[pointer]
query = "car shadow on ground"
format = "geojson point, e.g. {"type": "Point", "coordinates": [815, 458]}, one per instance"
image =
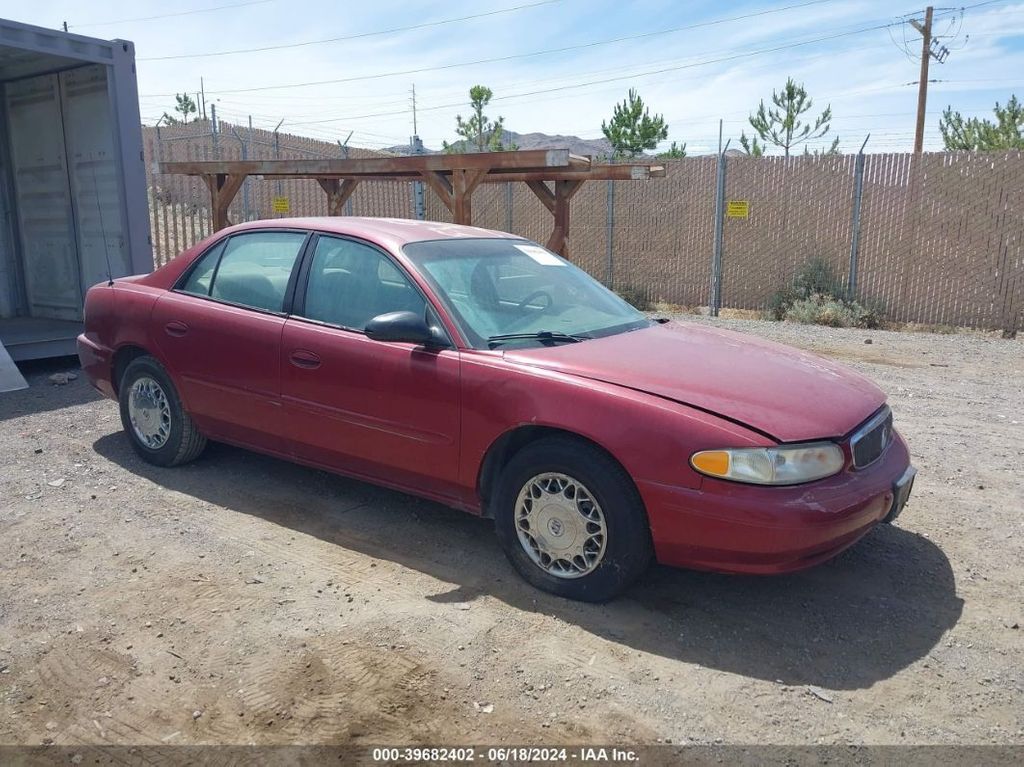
{"type": "Point", "coordinates": [847, 624]}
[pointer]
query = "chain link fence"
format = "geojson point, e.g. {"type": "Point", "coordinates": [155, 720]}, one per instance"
{"type": "Point", "coordinates": [935, 238]}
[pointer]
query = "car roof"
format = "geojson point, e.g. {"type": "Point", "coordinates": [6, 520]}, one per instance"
{"type": "Point", "coordinates": [393, 232]}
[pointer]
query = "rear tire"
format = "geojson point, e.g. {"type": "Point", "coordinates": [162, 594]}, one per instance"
{"type": "Point", "coordinates": [158, 427]}
{"type": "Point", "coordinates": [571, 520]}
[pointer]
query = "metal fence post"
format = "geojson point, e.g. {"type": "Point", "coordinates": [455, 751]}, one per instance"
{"type": "Point", "coordinates": [858, 193]}
{"type": "Point", "coordinates": [344, 154]}
{"type": "Point", "coordinates": [716, 258]}
{"type": "Point", "coordinates": [609, 275]}
{"type": "Point", "coordinates": [509, 202]}
{"type": "Point", "coordinates": [277, 156]}
{"type": "Point", "coordinates": [245, 184]}
{"type": "Point", "coordinates": [215, 131]}
{"type": "Point", "coordinates": [418, 202]}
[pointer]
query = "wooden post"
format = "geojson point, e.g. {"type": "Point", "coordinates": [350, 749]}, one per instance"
{"type": "Point", "coordinates": [338, 193]}
{"type": "Point", "coordinates": [463, 183]}
{"type": "Point", "coordinates": [223, 188]}
{"type": "Point", "coordinates": [558, 203]}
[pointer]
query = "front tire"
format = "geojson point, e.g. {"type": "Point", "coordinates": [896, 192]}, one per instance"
{"type": "Point", "coordinates": [571, 521]}
{"type": "Point", "coordinates": [158, 427]}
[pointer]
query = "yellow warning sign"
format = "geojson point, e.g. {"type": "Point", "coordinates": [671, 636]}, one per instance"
{"type": "Point", "coordinates": [281, 205]}
{"type": "Point", "coordinates": [737, 209]}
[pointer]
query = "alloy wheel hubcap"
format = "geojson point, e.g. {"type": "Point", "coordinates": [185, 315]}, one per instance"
{"type": "Point", "coordinates": [560, 525]}
{"type": "Point", "coordinates": [149, 413]}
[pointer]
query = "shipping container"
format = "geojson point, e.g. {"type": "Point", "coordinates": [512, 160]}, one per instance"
{"type": "Point", "coordinates": [73, 206]}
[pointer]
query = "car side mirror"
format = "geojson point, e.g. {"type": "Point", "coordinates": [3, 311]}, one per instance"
{"type": "Point", "coordinates": [401, 327]}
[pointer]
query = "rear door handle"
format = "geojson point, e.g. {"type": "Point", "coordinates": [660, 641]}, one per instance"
{"type": "Point", "coordinates": [176, 328]}
{"type": "Point", "coordinates": [303, 358]}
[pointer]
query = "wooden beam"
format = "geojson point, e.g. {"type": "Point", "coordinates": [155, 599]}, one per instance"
{"type": "Point", "coordinates": [473, 178]}
{"type": "Point", "coordinates": [223, 188]}
{"type": "Point", "coordinates": [441, 185]}
{"type": "Point", "coordinates": [543, 192]}
{"type": "Point", "coordinates": [384, 166]}
{"type": "Point", "coordinates": [597, 173]}
{"type": "Point", "coordinates": [564, 191]}
{"type": "Point", "coordinates": [338, 193]}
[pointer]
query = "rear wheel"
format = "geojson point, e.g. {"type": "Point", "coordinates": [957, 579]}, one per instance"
{"type": "Point", "coordinates": [157, 425]}
{"type": "Point", "coordinates": [571, 521]}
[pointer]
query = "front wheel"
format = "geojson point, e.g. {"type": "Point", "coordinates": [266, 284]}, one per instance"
{"type": "Point", "coordinates": [571, 521]}
{"type": "Point", "coordinates": [156, 424]}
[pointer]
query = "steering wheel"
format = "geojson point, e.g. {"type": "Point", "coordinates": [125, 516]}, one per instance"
{"type": "Point", "coordinates": [537, 294]}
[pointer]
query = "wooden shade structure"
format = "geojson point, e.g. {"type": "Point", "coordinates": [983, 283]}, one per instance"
{"type": "Point", "coordinates": [554, 175]}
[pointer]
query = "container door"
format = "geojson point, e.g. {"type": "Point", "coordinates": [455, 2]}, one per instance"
{"type": "Point", "coordinates": [43, 198]}
{"type": "Point", "coordinates": [9, 291]}
{"type": "Point", "coordinates": [95, 175]}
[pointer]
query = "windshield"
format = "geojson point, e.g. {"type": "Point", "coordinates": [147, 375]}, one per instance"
{"type": "Point", "coordinates": [496, 288]}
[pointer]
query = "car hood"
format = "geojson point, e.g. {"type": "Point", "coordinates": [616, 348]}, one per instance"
{"type": "Point", "coordinates": [783, 392]}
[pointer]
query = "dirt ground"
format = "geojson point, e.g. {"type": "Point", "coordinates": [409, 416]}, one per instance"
{"type": "Point", "coordinates": [242, 599]}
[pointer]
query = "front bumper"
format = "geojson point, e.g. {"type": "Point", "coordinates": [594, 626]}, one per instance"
{"type": "Point", "coordinates": [731, 527]}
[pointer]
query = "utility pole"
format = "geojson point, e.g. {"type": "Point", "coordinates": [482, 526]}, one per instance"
{"type": "Point", "coordinates": [416, 147]}
{"type": "Point", "coordinates": [922, 87]}
{"type": "Point", "coordinates": [202, 92]}
{"type": "Point", "coordinates": [415, 131]}
{"type": "Point", "coordinates": [930, 49]}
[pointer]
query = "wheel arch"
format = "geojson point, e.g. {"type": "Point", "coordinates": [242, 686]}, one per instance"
{"type": "Point", "coordinates": [122, 359]}
{"type": "Point", "coordinates": [512, 442]}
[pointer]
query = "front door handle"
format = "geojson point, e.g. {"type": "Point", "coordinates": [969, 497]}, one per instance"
{"type": "Point", "coordinates": [303, 358]}
{"type": "Point", "coordinates": [176, 328]}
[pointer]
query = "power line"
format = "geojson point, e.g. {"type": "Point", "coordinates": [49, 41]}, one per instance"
{"type": "Point", "coordinates": [689, 65]}
{"type": "Point", "coordinates": [561, 80]}
{"type": "Point", "coordinates": [642, 74]}
{"type": "Point", "coordinates": [512, 57]}
{"type": "Point", "coordinates": [664, 70]}
{"type": "Point", "coordinates": [358, 36]}
{"type": "Point", "coordinates": [170, 15]}
{"type": "Point", "coordinates": [272, 100]}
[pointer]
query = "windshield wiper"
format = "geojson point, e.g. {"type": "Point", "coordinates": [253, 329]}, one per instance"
{"type": "Point", "coordinates": [540, 335]}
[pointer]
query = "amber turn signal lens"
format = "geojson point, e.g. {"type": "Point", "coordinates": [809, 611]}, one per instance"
{"type": "Point", "coordinates": [713, 462]}
{"type": "Point", "coordinates": [779, 465]}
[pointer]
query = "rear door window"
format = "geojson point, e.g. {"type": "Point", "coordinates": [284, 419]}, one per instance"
{"type": "Point", "coordinates": [251, 269]}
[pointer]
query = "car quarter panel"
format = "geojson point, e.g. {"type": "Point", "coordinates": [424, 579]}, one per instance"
{"type": "Point", "coordinates": [116, 316]}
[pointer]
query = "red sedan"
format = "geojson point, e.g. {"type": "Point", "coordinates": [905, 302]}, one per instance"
{"type": "Point", "coordinates": [480, 370]}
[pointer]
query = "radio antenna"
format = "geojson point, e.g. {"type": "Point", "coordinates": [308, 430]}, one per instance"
{"type": "Point", "coordinates": [103, 228]}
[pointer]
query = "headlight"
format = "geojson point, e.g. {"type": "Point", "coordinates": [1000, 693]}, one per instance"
{"type": "Point", "coordinates": [783, 465]}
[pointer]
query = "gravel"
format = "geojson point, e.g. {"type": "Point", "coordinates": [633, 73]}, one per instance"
{"type": "Point", "coordinates": [284, 604]}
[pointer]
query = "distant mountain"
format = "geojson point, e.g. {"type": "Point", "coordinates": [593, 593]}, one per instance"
{"type": "Point", "coordinates": [575, 144]}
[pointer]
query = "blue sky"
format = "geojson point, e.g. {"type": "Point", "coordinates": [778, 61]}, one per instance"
{"type": "Point", "coordinates": [693, 76]}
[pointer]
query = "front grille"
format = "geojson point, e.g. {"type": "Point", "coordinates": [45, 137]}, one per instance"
{"type": "Point", "coordinates": [870, 440]}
